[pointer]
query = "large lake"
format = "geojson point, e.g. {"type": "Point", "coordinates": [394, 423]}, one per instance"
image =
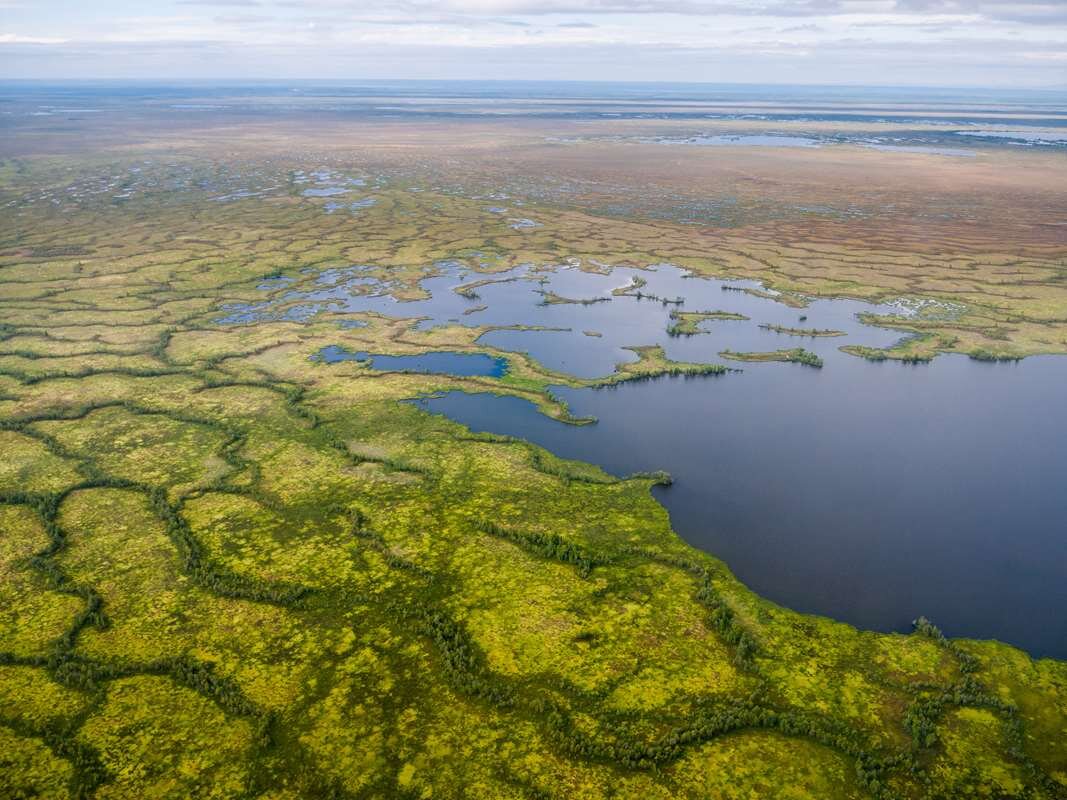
{"type": "Point", "coordinates": [869, 492]}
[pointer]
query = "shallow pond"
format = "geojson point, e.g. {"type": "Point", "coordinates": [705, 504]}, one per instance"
{"type": "Point", "coordinates": [870, 492]}
{"type": "Point", "coordinates": [588, 338]}
{"type": "Point", "coordinates": [438, 363]}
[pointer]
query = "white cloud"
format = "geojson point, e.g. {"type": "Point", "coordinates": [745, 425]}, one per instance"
{"type": "Point", "coordinates": [14, 38]}
{"type": "Point", "coordinates": [837, 40]}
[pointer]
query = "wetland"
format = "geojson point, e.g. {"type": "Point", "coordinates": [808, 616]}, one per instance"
{"type": "Point", "coordinates": [862, 492]}
{"type": "Point", "coordinates": [475, 440]}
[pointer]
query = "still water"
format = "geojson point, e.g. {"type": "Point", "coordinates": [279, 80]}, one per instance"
{"type": "Point", "coordinates": [436, 362]}
{"type": "Point", "coordinates": [869, 492]}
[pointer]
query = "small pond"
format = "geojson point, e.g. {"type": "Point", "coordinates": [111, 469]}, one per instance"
{"type": "Point", "coordinates": [435, 363]}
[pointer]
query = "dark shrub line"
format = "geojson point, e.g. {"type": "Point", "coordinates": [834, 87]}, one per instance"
{"type": "Point", "coordinates": [727, 625]}
{"type": "Point", "coordinates": [358, 527]}
{"type": "Point", "coordinates": [812, 332]}
{"type": "Point", "coordinates": [982, 354]}
{"type": "Point", "coordinates": [60, 736]}
{"type": "Point", "coordinates": [708, 724]}
{"type": "Point", "coordinates": [214, 577]}
{"type": "Point", "coordinates": [669, 370]}
{"type": "Point", "coordinates": [295, 402]}
{"type": "Point", "coordinates": [29, 380]}
{"type": "Point", "coordinates": [722, 617]}
{"type": "Point", "coordinates": [547, 545]}
{"type": "Point", "coordinates": [463, 661]}
{"type": "Point", "coordinates": [90, 675]}
{"type": "Point", "coordinates": [925, 714]}
{"type": "Point", "coordinates": [541, 464]}
{"type": "Point", "coordinates": [637, 293]}
{"type": "Point", "coordinates": [44, 562]}
{"type": "Point", "coordinates": [159, 349]}
{"type": "Point", "coordinates": [228, 450]}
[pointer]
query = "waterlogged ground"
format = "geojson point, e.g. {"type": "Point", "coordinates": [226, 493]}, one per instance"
{"type": "Point", "coordinates": [585, 320]}
{"type": "Point", "coordinates": [232, 568]}
{"type": "Point", "coordinates": [860, 490]}
{"type": "Point", "coordinates": [944, 140]}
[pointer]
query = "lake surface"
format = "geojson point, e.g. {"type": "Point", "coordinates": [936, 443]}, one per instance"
{"type": "Point", "coordinates": [869, 492]}
{"type": "Point", "coordinates": [442, 363]}
{"type": "Point", "coordinates": [583, 339]}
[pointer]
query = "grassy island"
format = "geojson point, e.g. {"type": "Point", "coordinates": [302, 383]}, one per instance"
{"type": "Point", "coordinates": [796, 355]}
{"type": "Point", "coordinates": [812, 332]}
{"type": "Point", "coordinates": [687, 323]}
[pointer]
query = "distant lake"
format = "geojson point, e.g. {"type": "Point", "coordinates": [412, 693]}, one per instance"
{"type": "Point", "coordinates": [869, 492]}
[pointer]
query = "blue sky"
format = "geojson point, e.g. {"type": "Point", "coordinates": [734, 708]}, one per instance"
{"type": "Point", "coordinates": [897, 42]}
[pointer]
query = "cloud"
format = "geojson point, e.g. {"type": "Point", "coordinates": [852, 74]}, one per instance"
{"type": "Point", "coordinates": [244, 3]}
{"type": "Point", "coordinates": [1026, 11]}
{"type": "Point", "coordinates": [863, 60]}
{"type": "Point", "coordinates": [453, 20]}
{"type": "Point", "coordinates": [243, 19]}
{"type": "Point", "coordinates": [14, 38]}
{"type": "Point", "coordinates": [843, 40]}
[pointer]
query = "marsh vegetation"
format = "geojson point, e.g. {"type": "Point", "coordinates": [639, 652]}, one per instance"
{"type": "Point", "coordinates": [232, 571]}
{"type": "Point", "coordinates": [797, 355]}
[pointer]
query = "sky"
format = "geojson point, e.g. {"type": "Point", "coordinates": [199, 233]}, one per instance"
{"type": "Point", "coordinates": [879, 42]}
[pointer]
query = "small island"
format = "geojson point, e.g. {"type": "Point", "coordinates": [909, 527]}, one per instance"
{"type": "Point", "coordinates": [796, 355]}
{"type": "Point", "coordinates": [687, 323]}
{"type": "Point", "coordinates": [812, 332]}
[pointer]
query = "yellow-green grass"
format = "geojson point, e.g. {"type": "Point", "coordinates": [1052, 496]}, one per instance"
{"type": "Point", "coordinates": [797, 355]}
{"type": "Point", "coordinates": [232, 571]}
{"type": "Point", "coordinates": [687, 323]}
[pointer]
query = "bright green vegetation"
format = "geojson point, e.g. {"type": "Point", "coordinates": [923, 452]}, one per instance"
{"type": "Point", "coordinates": [653, 363]}
{"type": "Point", "coordinates": [812, 332]}
{"type": "Point", "coordinates": [796, 355]}
{"type": "Point", "coordinates": [905, 354]}
{"type": "Point", "coordinates": [982, 354]}
{"type": "Point", "coordinates": [687, 323]}
{"type": "Point", "coordinates": [231, 571]}
{"type": "Point", "coordinates": [929, 338]}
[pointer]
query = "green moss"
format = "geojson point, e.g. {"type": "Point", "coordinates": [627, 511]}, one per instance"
{"type": "Point", "coordinates": [227, 571]}
{"type": "Point", "coordinates": [30, 770]}
{"type": "Point", "coordinates": [160, 740]}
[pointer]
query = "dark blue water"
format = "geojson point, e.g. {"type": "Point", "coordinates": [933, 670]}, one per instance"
{"type": "Point", "coordinates": [869, 492]}
{"type": "Point", "coordinates": [439, 363]}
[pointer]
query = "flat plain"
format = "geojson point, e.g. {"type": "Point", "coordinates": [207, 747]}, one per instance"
{"type": "Point", "coordinates": [231, 570]}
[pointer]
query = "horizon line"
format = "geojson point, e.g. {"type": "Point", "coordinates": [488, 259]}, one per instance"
{"type": "Point", "coordinates": [563, 81]}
